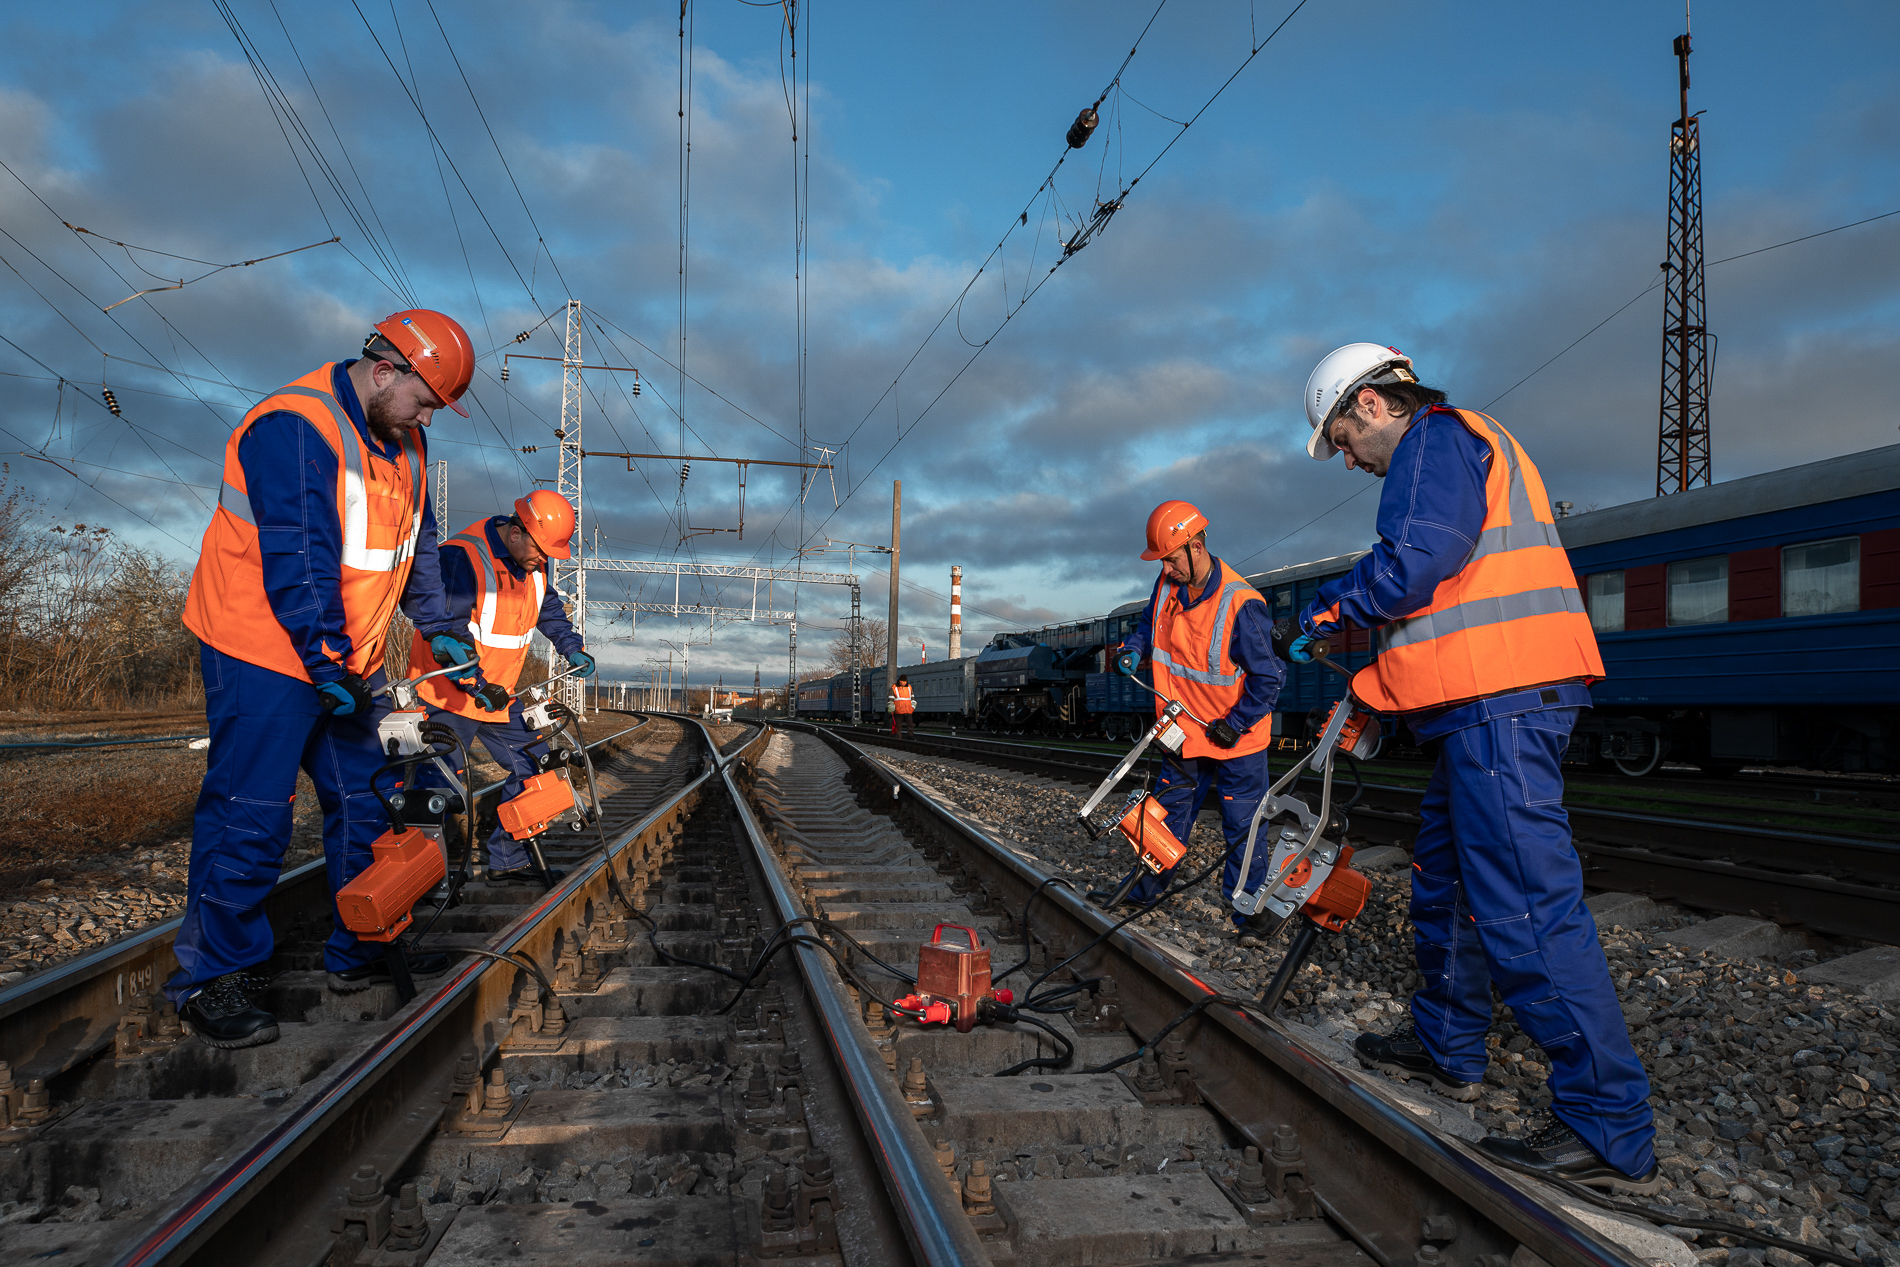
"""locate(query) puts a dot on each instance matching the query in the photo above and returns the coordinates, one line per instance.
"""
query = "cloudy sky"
(1478, 184)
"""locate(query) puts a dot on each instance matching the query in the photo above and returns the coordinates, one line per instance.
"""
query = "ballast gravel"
(1774, 1097)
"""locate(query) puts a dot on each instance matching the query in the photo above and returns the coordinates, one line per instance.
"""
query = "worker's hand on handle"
(1290, 644)
(493, 698)
(449, 649)
(1222, 734)
(582, 663)
(348, 696)
(1126, 662)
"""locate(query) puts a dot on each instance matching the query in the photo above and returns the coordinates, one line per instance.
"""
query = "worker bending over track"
(1208, 637)
(495, 574)
(322, 527)
(1486, 652)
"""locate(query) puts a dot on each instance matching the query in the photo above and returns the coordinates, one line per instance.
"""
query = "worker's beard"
(380, 412)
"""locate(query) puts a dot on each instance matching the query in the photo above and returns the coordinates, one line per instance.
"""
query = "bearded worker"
(321, 531)
(1487, 655)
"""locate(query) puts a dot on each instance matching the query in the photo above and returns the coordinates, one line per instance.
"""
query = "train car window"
(1606, 602)
(1698, 591)
(1819, 577)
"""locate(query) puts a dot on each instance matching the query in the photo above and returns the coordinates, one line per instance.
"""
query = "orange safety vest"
(503, 622)
(904, 702)
(1191, 661)
(1509, 620)
(378, 503)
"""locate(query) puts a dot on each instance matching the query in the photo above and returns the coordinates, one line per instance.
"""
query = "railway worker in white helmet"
(1207, 635)
(1487, 655)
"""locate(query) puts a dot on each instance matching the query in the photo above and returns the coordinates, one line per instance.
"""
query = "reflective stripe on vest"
(1191, 663)
(380, 519)
(1511, 618)
(502, 623)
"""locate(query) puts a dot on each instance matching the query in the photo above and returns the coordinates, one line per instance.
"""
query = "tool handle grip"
(936, 936)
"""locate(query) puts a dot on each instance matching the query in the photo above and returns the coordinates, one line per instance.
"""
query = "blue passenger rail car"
(1310, 689)
(1751, 622)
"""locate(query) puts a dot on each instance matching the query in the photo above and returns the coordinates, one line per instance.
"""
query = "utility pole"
(442, 499)
(1682, 440)
(857, 660)
(568, 484)
(791, 673)
(890, 629)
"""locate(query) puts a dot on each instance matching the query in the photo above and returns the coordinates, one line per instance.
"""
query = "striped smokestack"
(956, 612)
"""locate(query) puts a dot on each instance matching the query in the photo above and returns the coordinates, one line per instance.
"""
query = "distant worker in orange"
(1207, 635)
(322, 529)
(902, 706)
(1486, 653)
(495, 575)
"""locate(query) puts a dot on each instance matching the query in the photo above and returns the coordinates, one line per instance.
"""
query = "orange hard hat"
(549, 519)
(436, 347)
(1171, 526)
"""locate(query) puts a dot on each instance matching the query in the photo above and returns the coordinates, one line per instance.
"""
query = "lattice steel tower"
(1682, 433)
(570, 577)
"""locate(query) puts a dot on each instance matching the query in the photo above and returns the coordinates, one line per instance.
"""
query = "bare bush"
(871, 647)
(86, 619)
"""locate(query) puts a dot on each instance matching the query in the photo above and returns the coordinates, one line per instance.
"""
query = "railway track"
(637, 1106)
(1838, 885)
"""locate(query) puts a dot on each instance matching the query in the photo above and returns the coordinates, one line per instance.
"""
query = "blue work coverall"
(266, 725)
(1497, 888)
(509, 742)
(1240, 781)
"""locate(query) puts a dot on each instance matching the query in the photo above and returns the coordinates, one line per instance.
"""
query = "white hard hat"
(1345, 370)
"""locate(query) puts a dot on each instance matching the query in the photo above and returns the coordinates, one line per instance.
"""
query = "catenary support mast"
(1682, 442)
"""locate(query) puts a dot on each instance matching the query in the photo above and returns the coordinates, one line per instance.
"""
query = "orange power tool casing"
(1146, 826)
(376, 904)
(543, 799)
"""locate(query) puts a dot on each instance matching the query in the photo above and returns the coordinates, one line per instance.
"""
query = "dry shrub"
(70, 811)
(88, 620)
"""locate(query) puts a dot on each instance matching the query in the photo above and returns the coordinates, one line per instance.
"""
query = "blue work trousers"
(508, 744)
(1497, 895)
(265, 726)
(1240, 782)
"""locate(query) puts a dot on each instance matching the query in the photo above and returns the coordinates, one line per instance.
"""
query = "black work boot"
(422, 964)
(221, 1013)
(1400, 1052)
(1557, 1152)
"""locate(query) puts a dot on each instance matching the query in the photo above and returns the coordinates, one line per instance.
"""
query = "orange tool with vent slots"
(376, 904)
(543, 799)
(1146, 827)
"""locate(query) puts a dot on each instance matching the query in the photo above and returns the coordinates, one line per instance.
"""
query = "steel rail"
(932, 1215)
(384, 1100)
(1244, 1067)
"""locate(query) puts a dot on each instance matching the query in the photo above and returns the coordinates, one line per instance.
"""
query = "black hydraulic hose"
(1035, 1062)
(1664, 1218)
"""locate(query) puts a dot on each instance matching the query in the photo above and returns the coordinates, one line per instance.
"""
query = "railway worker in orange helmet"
(495, 576)
(1486, 653)
(322, 530)
(1207, 635)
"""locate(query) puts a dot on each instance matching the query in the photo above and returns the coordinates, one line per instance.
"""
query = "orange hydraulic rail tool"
(1142, 821)
(548, 794)
(1308, 874)
(410, 859)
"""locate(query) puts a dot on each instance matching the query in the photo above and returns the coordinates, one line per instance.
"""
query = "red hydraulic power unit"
(376, 904)
(952, 980)
(543, 799)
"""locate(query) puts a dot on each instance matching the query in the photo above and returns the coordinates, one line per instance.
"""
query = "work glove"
(449, 649)
(348, 696)
(1222, 735)
(1126, 662)
(492, 697)
(582, 661)
(1289, 643)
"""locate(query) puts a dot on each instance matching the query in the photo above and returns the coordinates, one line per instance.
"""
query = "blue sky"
(1478, 184)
